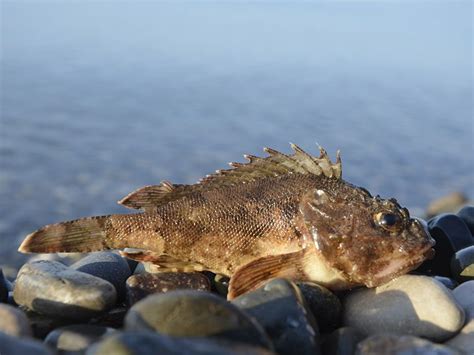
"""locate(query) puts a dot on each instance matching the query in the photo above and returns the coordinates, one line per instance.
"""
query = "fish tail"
(81, 235)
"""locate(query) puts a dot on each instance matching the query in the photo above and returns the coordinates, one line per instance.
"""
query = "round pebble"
(464, 295)
(108, 266)
(141, 285)
(13, 345)
(53, 289)
(77, 337)
(464, 340)
(195, 314)
(280, 308)
(324, 305)
(401, 306)
(467, 215)
(462, 264)
(13, 321)
(401, 345)
(447, 282)
(341, 341)
(3, 288)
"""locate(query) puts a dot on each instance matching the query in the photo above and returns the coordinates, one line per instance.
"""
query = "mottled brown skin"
(282, 211)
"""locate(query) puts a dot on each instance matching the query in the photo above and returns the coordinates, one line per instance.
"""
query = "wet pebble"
(141, 285)
(108, 266)
(77, 337)
(280, 308)
(462, 264)
(3, 288)
(401, 345)
(467, 215)
(342, 341)
(324, 305)
(147, 343)
(190, 313)
(19, 346)
(401, 306)
(53, 289)
(13, 321)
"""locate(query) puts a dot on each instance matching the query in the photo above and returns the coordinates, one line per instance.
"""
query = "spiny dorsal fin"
(276, 164)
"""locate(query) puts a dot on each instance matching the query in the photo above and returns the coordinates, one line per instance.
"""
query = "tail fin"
(81, 236)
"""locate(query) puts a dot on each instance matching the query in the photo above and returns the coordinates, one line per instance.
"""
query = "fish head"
(368, 239)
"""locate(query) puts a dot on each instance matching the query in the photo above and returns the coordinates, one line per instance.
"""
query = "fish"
(283, 215)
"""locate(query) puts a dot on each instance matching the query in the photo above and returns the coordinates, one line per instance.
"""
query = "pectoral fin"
(253, 274)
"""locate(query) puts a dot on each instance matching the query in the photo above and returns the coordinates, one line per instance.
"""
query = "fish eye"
(388, 220)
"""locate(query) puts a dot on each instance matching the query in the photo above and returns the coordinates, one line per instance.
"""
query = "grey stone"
(148, 343)
(324, 305)
(195, 314)
(108, 266)
(113, 318)
(53, 289)
(447, 282)
(10, 345)
(410, 304)
(462, 264)
(464, 295)
(142, 285)
(342, 341)
(42, 325)
(13, 321)
(77, 337)
(464, 340)
(401, 345)
(3, 288)
(467, 215)
(280, 308)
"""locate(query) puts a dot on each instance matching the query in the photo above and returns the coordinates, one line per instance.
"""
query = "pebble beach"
(102, 303)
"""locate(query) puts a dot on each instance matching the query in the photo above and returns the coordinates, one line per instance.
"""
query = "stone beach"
(105, 304)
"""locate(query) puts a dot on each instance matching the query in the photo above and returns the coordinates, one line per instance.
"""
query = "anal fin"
(253, 274)
(161, 262)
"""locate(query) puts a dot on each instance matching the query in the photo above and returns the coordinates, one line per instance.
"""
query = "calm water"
(99, 98)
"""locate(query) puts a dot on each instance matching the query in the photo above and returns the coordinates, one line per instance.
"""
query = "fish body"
(281, 216)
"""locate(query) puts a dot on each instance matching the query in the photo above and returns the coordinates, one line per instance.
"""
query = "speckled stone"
(342, 341)
(190, 313)
(142, 285)
(13, 321)
(108, 266)
(324, 305)
(401, 307)
(10, 345)
(148, 343)
(53, 289)
(467, 215)
(3, 288)
(280, 308)
(401, 345)
(462, 264)
(77, 337)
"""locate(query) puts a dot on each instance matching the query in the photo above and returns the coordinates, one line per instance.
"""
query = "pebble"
(13, 345)
(14, 322)
(113, 318)
(147, 343)
(221, 284)
(280, 308)
(42, 325)
(467, 215)
(464, 340)
(342, 341)
(3, 288)
(77, 337)
(108, 266)
(451, 234)
(462, 264)
(190, 313)
(447, 282)
(446, 204)
(401, 306)
(142, 285)
(464, 295)
(324, 305)
(401, 345)
(53, 289)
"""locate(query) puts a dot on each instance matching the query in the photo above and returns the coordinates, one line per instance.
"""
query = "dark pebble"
(221, 284)
(280, 308)
(447, 281)
(324, 305)
(53, 289)
(42, 325)
(451, 234)
(147, 343)
(10, 345)
(187, 313)
(108, 266)
(3, 288)
(467, 215)
(77, 337)
(462, 264)
(401, 345)
(342, 341)
(113, 318)
(141, 285)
